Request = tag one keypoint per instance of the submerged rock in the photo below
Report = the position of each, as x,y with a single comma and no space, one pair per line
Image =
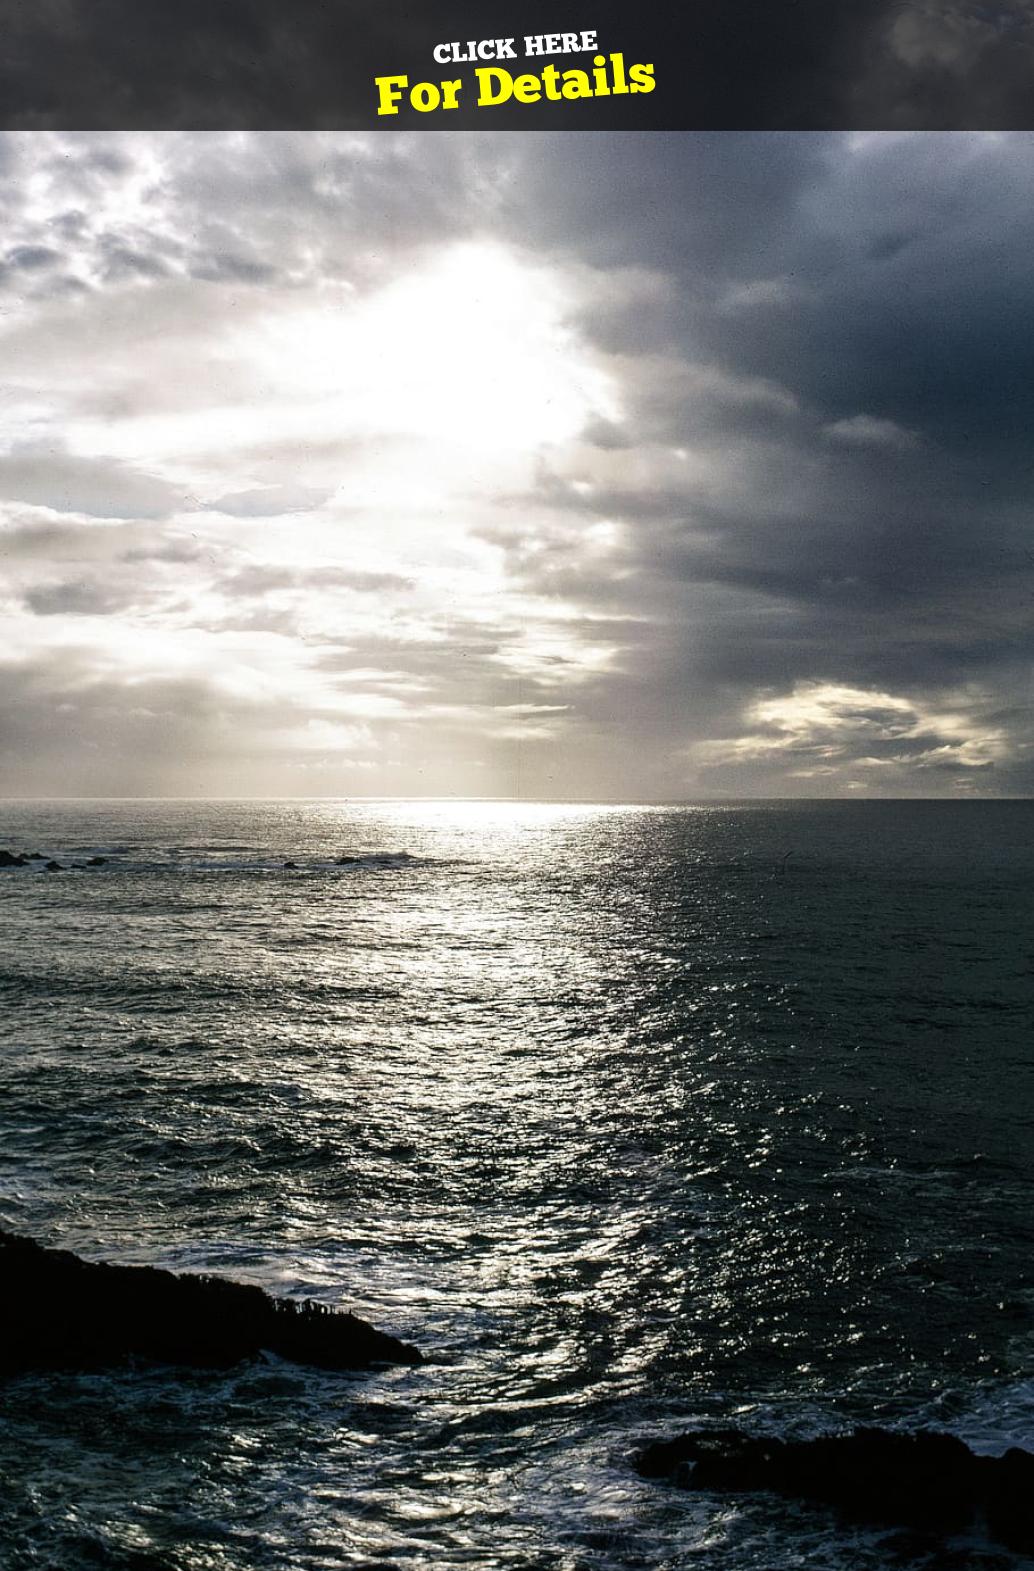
11,859
927,1479
60,1312
53,867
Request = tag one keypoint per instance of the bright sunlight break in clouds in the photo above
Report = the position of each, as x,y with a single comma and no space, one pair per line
617,466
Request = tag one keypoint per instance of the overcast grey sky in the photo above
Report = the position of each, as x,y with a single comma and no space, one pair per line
624,466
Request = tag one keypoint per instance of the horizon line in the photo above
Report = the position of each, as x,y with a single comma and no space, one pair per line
539,801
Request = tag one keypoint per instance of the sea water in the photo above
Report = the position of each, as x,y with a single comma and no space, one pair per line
633,1119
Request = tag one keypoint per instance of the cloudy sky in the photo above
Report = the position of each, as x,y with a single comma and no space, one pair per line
624,466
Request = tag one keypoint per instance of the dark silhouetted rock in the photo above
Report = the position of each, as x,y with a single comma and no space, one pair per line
60,1312
96,861
35,856
926,1480
10,859
292,865
53,867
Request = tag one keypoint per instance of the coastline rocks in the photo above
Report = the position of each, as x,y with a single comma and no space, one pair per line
19,859
926,1479
50,865
61,1312
40,861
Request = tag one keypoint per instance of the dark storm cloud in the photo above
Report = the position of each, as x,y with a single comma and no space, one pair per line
721,63
844,359
925,329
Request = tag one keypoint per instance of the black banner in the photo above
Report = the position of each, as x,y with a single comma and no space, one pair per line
566,65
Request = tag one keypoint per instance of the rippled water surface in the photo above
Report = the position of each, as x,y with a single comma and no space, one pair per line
631,1118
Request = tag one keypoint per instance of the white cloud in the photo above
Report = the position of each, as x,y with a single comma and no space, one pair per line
870,431
838,727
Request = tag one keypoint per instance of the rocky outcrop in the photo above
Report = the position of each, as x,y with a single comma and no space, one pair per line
19,859
63,1312
50,865
928,1480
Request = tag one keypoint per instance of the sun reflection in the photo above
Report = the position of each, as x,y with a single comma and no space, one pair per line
471,816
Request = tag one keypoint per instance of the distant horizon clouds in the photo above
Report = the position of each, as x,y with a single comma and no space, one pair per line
621,466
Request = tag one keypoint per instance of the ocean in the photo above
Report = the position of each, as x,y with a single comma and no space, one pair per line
633,1119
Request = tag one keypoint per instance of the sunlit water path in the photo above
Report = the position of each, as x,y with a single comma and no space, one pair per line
630,1117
